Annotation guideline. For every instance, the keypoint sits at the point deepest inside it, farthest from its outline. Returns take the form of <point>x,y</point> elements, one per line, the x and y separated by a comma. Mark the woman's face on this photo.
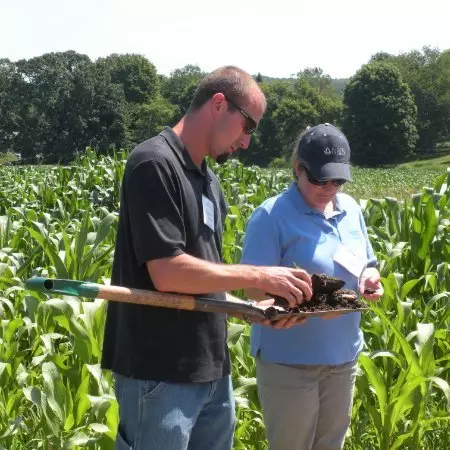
<point>317,197</point>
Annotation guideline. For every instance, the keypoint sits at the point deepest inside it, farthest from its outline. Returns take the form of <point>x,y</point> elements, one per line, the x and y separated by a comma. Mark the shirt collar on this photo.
<point>296,197</point>
<point>182,154</point>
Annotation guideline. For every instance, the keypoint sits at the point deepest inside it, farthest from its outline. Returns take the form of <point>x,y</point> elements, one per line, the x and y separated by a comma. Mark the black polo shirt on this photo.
<point>161,215</point>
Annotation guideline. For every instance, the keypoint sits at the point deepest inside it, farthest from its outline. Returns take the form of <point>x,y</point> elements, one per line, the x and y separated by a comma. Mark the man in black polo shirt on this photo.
<point>171,367</point>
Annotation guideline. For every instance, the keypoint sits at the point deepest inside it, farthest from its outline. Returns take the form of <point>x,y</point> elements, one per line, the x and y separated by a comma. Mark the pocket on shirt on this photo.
<point>357,244</point>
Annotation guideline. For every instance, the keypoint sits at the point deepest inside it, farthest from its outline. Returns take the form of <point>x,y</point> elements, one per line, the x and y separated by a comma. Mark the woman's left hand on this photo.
<point>370,284</point>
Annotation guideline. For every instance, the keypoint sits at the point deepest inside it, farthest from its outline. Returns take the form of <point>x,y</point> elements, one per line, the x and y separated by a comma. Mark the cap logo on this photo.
<point>340,151</point>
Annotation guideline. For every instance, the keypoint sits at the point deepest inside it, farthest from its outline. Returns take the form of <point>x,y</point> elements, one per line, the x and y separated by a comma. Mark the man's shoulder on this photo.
<point>152,150</point>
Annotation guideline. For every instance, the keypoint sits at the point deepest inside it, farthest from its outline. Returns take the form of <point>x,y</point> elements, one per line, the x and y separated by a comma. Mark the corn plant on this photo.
<point>61,222</point>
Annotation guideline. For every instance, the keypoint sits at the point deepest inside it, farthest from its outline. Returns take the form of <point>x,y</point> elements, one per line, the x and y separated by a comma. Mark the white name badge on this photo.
<point>349,261</point>
<point>208,212</point>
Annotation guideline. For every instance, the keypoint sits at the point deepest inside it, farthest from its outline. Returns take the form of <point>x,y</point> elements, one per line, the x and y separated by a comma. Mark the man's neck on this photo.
<point>189,130</point>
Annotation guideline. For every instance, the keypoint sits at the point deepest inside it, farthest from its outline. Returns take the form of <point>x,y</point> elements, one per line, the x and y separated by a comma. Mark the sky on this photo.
<point>277,38</point>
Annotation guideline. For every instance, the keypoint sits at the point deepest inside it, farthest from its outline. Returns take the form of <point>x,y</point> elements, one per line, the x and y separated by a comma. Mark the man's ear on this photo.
<point>218,102</point>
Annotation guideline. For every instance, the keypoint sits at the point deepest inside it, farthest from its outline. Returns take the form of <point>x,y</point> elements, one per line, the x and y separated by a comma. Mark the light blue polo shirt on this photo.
<point>285,231</point>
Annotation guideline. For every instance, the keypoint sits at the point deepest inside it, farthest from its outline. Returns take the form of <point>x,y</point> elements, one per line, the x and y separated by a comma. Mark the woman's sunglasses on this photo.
<point>316,182</point>
<point>250,124</point>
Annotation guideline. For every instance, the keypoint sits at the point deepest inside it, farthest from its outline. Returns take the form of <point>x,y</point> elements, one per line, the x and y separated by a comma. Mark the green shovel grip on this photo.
<point>64,287</point>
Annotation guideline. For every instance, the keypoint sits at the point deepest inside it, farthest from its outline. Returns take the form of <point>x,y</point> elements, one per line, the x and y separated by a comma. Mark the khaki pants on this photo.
<point>306,407</point>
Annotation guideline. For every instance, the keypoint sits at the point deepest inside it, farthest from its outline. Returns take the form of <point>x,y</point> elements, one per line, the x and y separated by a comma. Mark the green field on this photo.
<point>60,222</point>
<point>399,181</point>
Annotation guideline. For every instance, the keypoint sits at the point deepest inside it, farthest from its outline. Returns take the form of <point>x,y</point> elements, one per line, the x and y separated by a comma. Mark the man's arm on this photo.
<point>190,275</point>
<point>159,242</point>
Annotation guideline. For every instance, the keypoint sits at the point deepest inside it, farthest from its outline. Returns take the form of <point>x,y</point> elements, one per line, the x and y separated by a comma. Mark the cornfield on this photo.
<point>61,222</point>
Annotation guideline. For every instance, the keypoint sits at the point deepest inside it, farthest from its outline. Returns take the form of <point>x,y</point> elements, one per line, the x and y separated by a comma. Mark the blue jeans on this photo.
<point>156,415</point>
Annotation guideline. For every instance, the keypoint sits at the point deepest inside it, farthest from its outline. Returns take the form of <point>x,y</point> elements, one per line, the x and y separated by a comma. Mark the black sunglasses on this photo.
<point>250,123</point>
<point>316,182</point>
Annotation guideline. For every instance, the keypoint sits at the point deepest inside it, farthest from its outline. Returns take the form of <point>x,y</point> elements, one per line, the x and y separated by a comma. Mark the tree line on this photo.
<point>55,105</point>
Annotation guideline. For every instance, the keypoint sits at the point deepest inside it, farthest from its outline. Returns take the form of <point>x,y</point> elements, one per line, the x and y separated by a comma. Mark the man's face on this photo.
<point>232,126</point>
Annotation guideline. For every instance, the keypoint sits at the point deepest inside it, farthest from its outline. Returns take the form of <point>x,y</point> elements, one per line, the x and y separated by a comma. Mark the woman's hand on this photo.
<point>285,323</point>
<point>370,284</point>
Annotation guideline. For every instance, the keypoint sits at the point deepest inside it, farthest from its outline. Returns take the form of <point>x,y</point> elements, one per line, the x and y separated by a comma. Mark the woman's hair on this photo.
<point>296,161</point>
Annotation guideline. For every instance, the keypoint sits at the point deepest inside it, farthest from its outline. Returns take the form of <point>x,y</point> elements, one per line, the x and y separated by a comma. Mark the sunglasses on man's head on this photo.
<point>250,124</point>
<point>338,182</point>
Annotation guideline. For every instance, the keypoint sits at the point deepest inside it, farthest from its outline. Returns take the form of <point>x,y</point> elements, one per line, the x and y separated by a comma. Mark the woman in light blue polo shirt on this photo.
<point>306,373</point>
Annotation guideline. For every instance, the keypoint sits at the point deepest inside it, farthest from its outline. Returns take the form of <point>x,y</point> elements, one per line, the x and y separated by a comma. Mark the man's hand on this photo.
<point>292,284</point>
<point>370,284</point>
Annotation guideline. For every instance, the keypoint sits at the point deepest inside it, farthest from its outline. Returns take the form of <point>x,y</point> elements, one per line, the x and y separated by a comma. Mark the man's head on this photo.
<point>231,105</point>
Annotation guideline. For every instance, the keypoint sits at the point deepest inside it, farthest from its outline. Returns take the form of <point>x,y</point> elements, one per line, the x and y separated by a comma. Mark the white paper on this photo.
<point>349,261</point>
<point>208,212</point>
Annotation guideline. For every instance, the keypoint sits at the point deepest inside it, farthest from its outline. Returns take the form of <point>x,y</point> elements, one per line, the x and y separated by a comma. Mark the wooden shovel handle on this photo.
<point>143,297</point>
<point>231,305</point>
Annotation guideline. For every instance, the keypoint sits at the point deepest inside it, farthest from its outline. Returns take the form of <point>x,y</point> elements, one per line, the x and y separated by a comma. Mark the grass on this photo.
<point>399,182</point>
<point>440,162</point>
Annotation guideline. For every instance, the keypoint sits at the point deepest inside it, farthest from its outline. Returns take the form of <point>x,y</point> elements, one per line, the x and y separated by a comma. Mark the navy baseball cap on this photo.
<point>325,152</point>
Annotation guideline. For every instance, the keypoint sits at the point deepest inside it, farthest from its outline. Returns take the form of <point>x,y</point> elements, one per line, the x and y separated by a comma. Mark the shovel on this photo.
<point>249,310</point>
<point>232,305</point>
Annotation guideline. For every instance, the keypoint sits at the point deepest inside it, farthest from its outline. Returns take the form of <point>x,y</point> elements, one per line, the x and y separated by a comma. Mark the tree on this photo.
<point>381,56</point>
<point>265,144</point>
<point>43,90</point>
<point>317,79</point>
<point>179,88</point>
<point>135,73</point>
<point>64,103</point>
<point>379,115</point>
<point>8,105</point>
<point>149,119</point>
<point>259,78</point>
<point>291,107</point>
<point>428,74</point>
<point>103,107</point>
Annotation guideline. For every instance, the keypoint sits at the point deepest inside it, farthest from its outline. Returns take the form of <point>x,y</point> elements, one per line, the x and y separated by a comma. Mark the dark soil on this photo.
<point>328,295</point>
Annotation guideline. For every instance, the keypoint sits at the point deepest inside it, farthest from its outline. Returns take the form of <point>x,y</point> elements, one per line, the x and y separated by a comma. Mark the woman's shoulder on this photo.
<point>275,203</point>
<point>346,201</point>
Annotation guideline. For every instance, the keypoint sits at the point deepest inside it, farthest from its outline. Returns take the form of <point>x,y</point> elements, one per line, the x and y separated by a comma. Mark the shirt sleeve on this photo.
<point>153,199</point>
<point>261,241</point>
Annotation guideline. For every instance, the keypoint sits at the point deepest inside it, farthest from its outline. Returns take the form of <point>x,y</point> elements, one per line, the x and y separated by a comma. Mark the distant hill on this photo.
<point>338,83</point>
